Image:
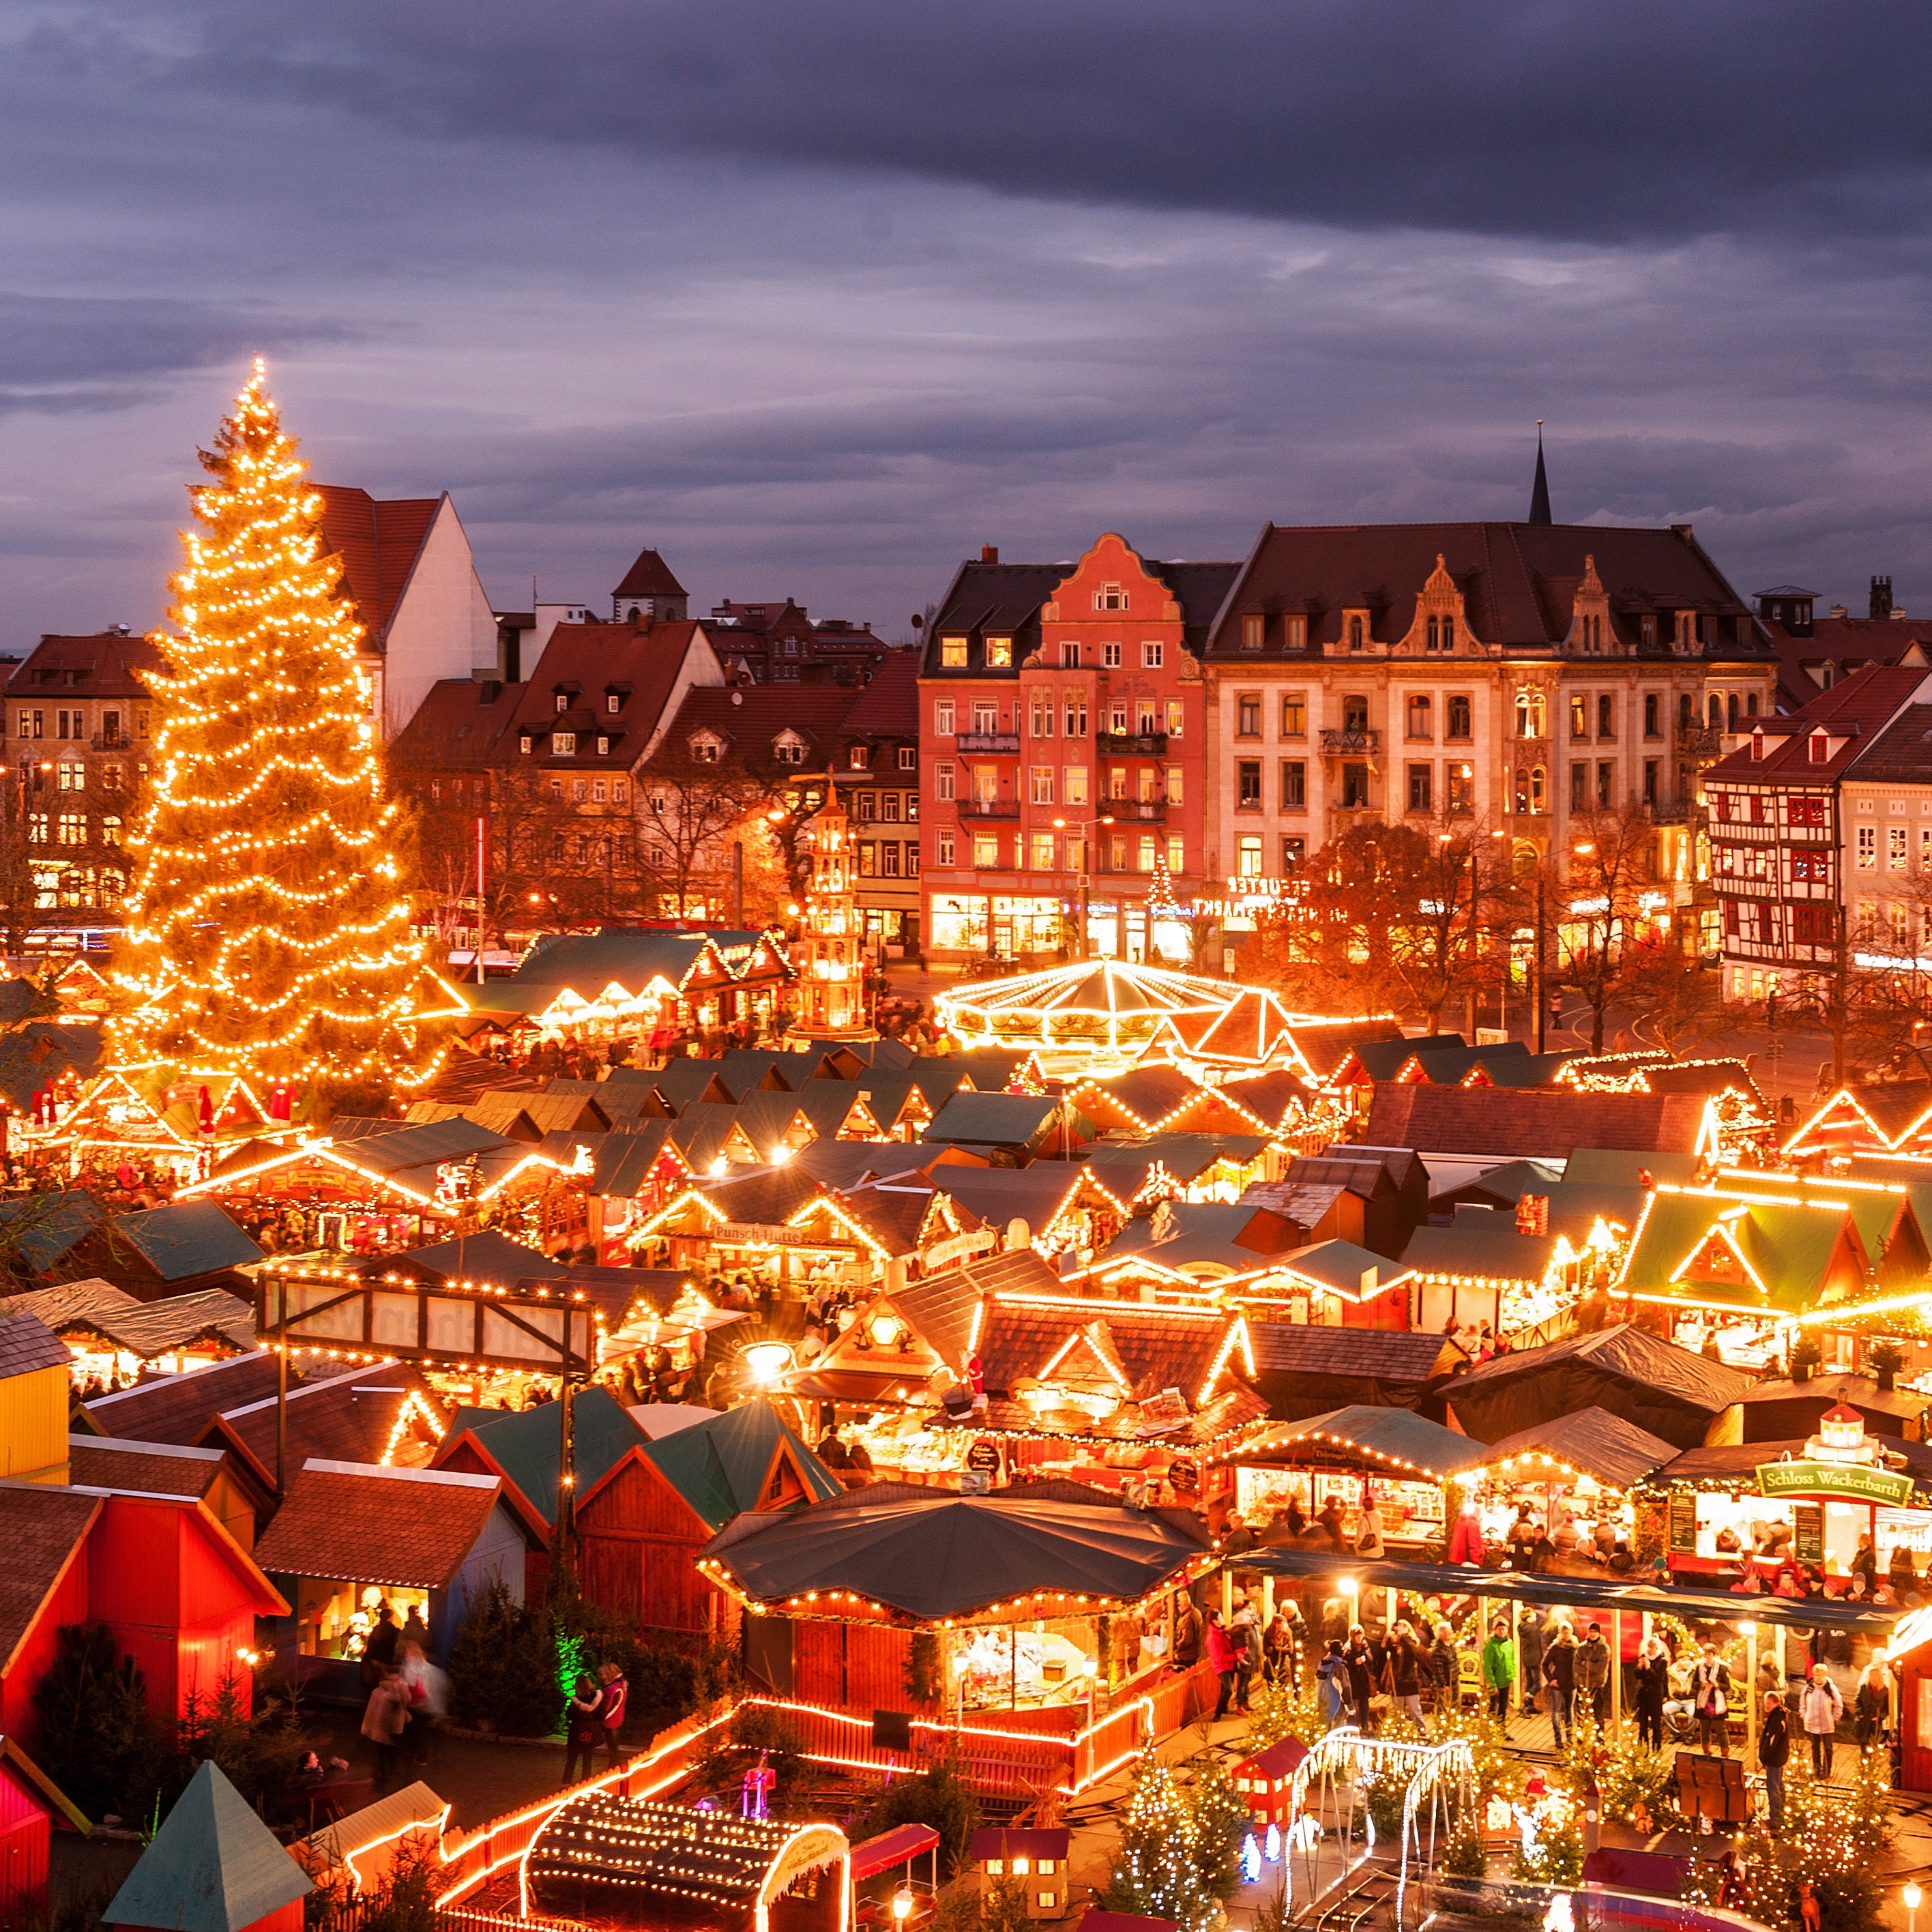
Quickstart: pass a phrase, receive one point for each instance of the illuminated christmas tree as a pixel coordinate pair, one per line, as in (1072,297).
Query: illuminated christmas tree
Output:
(268,929)
(1155,1873)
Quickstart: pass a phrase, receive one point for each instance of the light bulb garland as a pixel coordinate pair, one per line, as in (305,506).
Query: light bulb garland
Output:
(268,931)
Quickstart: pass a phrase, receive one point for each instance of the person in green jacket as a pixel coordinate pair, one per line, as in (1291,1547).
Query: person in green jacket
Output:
(1499,1669)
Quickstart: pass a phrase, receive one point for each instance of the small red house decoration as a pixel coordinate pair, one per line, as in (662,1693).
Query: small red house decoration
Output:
(1266,1781)
(29,1800)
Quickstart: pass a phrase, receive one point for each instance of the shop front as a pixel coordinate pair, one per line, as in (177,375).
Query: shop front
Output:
(1772,1515)
(1008,925)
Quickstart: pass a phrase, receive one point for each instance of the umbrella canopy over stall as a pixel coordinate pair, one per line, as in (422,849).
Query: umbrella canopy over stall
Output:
(1094,1003)
(934,1556)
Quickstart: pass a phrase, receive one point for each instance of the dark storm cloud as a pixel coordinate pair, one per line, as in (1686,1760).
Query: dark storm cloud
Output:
(73,352)
(1533,117)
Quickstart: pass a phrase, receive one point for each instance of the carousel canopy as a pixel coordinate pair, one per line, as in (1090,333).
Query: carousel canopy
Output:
(1382,1436)
(1101,1002)
(1594,1442)
(933,1554)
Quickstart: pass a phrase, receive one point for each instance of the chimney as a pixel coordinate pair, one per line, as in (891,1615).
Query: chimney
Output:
(989,553)
(1881,597)
(489,690)
(1839,610)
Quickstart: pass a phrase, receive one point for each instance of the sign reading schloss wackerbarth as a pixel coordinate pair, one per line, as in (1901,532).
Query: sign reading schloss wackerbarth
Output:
(1849,1482)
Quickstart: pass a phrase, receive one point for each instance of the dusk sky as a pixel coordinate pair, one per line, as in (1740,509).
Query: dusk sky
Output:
(818,299)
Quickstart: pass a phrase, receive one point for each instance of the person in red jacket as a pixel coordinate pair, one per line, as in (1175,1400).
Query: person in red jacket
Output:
(1223,1660)
(1465,1538)
(615,1691)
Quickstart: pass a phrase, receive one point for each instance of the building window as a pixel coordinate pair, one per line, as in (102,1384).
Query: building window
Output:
(1069,654)
(614,702)
(603,748)
(1253,625)
(1605,727)
(1148,711)
(868,859)
(888,807)
(1042,784)
(999,653)
(1177,852)
(140,725)
(942,782)
(1073,718)
(1580,716)
(1811,924)
(908,759)
(1074,778)
(1110,657)
(580,791)
(1117,852)
(1043,847)
(861,757)
(1248,785)
(1355,788)
(1294,632)
(1295,715)
(1177,718)
(986,851)
(1042,717)
(1750,704)
(942,840)
(1110,597)
(986,783)
(110,830)
(73,828)
(952,653)
(563,744)
(942,717)
(1650,702)
(911,861)
(1867,848)
(867,805)
(1579,777)
(1421,717)
(1248,856)
(562,703)
(1605,774)
(1150,655)
(1895,852)
(110,728)
(785,751)
(1146,852)
(1458,725)
(889,859)
(110,777)
(38,828)
(70,775)
(1293,785)
(985,718)
(1420,786)
(1076,855)
(1248,715)
(526,744)
(1354,634)
(1462,781)
(1293,848)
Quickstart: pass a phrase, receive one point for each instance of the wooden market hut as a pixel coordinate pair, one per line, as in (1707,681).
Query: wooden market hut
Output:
(172,1469)
(212,1866)
(108,1333)
(845,1584)
(36,1390)
(1302,1369)
(30,1805)
(183,1248)
(1593,1460)
(350,1533)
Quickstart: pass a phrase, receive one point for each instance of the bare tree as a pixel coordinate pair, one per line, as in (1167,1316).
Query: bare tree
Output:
(690,807)
(1611,865)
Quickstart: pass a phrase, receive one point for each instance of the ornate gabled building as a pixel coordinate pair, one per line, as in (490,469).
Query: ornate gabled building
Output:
(1514,675)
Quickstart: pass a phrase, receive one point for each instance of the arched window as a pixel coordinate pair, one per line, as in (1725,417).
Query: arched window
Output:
(1432,644)
(1448,634)
(1717,711)
(1421,717)
(1731,711)
(1521,790)
(1536,790)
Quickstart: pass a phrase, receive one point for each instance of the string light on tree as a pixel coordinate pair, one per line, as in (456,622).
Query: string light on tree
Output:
(268,930)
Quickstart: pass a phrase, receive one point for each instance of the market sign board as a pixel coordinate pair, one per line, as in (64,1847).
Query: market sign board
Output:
(1843,1482)
(414,1322)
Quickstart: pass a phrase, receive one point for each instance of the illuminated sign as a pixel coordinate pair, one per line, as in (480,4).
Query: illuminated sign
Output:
(1849,1482)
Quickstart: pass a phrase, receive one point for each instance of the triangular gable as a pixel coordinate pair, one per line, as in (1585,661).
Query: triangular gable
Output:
(858,1351)
(784,1485)
(461,1450)
(1844,1114)
(1717,1257)
(1087,1360)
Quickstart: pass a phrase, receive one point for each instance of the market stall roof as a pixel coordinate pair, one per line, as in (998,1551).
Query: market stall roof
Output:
(526,1444)
(1341,1267)
(364,1416)
(43,1227)
(1208,1238)
(997,1196)
(1513,1121)
(1482,1244)
(1396,1436)
(1593,1442)
(156,1468)
(28,1345)
(188,1238)
(180,1408)
(1583,1593)
(144,1328)
(1305,1368)
(720,1465)
(1022,1121)
(932,1555)
(492,1259)
(1892,1411)
(1662,1388)
(411,1528)
(874,1855)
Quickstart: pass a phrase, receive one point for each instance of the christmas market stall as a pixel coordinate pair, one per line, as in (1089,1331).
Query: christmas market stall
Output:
(1203,1166)
(606,1858)
(1329,1284)
(1003,1602)
(114,1337)
(173,1128)
(1494,1271)
(352,1539)
(1304,1368)
(1572,1479)
(1354,1474)
(1064,1210)
(1665,1390)
(1769,1514)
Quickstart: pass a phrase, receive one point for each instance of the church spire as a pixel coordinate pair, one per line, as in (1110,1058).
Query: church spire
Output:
(1539,494)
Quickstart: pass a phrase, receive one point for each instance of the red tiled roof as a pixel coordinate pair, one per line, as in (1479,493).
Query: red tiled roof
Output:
(1856,711)
(1168,1350)
(153,1468)
(41,1528)
(349,1418)
(1846,643)
(27,1344)
(178,1408)
(116,667)
(1522,1121)
(587,659)
(455,727)
(378,542)
(650,576)
(888,707)
(749,718)
(408,1527)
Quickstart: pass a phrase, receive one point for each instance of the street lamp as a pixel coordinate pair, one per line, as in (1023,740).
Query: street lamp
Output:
(902,1905)
(1086,866)
(1913,1896)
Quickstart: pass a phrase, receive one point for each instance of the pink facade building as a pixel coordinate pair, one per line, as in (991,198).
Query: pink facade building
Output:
(1063,730)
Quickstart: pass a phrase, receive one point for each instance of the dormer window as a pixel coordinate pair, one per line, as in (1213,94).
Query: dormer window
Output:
(704,750)
(999,653)
(563,744)
(1355,633)
(612,702)
(1253,626)
(526,744)
(953,651)
(861,757)
(789,752)
(603,748)
(1821,746)
(1110,597)
(1757,746)
(562,703)
(1647,628)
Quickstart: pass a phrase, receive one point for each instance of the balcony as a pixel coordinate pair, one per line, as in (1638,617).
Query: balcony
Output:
(988,741)
(1131,745)
(1669,814)
(101,742)
(1363,744)
(988,808)
(1133,811)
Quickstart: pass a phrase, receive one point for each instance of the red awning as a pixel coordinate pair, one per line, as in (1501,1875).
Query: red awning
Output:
(892,1848)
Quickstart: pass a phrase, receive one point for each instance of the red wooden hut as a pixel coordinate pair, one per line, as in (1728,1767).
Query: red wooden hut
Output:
(29,1801)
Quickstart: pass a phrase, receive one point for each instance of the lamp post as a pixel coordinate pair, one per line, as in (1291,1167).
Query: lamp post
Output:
(1083,826)
(1912,1897)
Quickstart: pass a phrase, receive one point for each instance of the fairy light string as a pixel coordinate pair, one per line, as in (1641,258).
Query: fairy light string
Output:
(267,928)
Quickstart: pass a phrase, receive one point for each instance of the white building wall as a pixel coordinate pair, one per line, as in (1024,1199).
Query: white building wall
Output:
(443,626)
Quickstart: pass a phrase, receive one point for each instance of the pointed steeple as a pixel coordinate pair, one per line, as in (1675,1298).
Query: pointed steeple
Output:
(1539,494)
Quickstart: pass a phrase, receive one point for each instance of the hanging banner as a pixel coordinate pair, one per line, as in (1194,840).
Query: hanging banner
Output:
(1843,1482)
